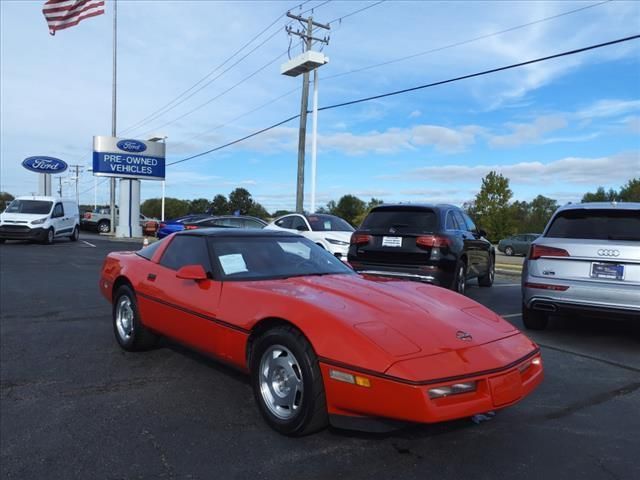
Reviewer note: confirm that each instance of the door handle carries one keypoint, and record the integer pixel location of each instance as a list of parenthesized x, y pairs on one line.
[(151, 277)]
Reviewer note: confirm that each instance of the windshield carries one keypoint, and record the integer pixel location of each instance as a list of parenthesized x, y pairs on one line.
[(401, 220), (259, 258), (600, 224), (324, 223), (35, 207)]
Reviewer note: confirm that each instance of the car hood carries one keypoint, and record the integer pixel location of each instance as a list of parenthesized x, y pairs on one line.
[(404, 319), (21, 217)]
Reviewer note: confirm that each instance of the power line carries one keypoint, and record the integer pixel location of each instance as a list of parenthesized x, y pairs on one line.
[(463, 42), (339, 19), (419, 87)]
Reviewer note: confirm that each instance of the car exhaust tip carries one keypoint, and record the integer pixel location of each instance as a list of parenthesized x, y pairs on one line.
[(544, 306)]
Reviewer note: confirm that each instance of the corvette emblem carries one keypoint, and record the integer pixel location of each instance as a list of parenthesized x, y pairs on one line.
[(464, 336)]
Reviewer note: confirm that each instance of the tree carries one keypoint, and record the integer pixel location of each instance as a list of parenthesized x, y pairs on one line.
[(520, 215), (199, 205), (492, 206), (280, 213), (219, 205), (631, 191), (349, 207), (5, 199), (240, 201), (374, 202), (541, 209), (173, 207), (257, 210), (600, 195)]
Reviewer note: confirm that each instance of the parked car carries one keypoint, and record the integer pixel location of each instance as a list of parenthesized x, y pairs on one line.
[(100, 220), (437, 244), (517, 244), (226, 221), (328, 231), (41, 219), (177, 224), (587, 261), (322, 343)]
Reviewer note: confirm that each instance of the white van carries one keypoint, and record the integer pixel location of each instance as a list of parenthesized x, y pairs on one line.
[(40, 218)]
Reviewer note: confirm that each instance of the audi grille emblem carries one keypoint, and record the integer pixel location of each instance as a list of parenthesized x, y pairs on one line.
[(464, 336), (603, 252)]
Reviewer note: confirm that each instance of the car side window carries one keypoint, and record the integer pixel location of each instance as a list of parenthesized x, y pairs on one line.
[(460, 220), (299, 224), (285, 222), (58, 210), (451, 223), (186, 250), (470, 225), (252, 224)]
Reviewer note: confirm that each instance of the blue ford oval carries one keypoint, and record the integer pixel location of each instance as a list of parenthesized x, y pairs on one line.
[(132, 146), (44, 164)]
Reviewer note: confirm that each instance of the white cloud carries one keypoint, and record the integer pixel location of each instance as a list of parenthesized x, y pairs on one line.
[(415, 114), (528, 132), (608, 108), (633, 124), (570, 170)]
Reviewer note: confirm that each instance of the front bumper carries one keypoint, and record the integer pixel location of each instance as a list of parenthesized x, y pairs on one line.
[(397, 399), (21, 232)]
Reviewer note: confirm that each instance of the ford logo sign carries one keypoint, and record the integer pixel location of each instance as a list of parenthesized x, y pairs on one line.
[(132, 146), (44, 164)]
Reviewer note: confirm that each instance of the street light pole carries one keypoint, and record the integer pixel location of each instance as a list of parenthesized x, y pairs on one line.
[(314, 140)]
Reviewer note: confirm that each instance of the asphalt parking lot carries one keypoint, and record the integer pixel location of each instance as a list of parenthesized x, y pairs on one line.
[(73, 405)]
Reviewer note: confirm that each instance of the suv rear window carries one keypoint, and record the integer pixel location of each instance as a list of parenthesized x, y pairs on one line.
[(600, 224), (402, 220)]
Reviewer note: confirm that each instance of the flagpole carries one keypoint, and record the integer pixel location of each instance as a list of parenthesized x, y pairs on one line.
[(112, 194)]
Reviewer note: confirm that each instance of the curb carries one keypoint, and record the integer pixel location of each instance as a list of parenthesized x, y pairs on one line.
[(509, 269)]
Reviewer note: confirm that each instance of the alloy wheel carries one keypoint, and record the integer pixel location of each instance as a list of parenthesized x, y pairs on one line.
[(281, 383), (124, 318)]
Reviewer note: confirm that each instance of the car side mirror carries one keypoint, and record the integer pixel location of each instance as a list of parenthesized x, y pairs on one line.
[(482, 233), (192, 272)]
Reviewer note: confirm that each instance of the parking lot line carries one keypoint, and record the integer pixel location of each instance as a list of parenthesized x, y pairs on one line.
[(511, 315), (90, 244)]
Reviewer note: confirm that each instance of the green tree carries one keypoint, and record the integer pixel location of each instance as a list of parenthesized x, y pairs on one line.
[(631, 191), (280, 213), (219, 205), (520, 213), (374, 202), (199, 205), (5, 199), (541, 209), (152, 207), (600, 195), (492, 206), (349, 207), (173, 207), (240, 201)]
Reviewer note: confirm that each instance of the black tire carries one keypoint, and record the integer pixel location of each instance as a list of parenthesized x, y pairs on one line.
[(486, 280), (48, 236), (75, 235), (534, 319), (509, 251), (310, 414), (104, 226), (460, 278), (139, 337), (2, 240)]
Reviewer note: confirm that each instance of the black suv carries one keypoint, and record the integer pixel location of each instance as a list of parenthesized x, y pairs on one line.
[(438, 244)]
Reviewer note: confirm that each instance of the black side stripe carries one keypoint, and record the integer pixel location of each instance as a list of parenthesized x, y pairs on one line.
[(191, 312), (456, 378)]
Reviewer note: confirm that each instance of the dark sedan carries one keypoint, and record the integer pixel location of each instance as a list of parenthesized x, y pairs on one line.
[(437, 244), (517, 244)]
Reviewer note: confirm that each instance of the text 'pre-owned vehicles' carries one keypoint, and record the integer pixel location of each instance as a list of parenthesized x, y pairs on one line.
[(438, 244), (328, 231), (40, 218), (587, 261), (322, 343)]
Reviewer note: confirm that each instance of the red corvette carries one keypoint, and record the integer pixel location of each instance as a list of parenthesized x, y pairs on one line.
[(321, 342)]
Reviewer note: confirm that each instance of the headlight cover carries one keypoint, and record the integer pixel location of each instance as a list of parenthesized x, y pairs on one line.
[(333, 241), (40, 221)]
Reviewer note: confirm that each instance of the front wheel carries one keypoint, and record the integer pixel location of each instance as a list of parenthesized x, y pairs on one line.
[(130, 333), (49, 236), (287, 382)]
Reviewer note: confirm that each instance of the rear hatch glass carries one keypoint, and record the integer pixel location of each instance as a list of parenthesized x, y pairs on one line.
[(596, 224), (401, 220)]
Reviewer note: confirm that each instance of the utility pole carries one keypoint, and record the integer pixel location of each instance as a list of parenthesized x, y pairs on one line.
[(112, 180), (307, 35), (76, 177)]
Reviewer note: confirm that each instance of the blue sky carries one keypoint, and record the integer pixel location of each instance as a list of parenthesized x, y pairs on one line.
[(557, 128)]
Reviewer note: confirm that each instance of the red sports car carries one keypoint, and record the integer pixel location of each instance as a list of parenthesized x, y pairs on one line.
[(322, 343)]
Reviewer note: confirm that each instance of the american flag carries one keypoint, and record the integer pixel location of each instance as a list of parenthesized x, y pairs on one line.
[(61, 14)]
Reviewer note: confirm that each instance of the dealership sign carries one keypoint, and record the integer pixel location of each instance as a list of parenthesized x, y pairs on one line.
[(44, 165), (128, 158)]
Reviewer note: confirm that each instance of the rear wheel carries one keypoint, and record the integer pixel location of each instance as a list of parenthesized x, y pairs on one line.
[(509, 251), (75, 235), (486, 280), (104, 226), (287, 382), (534, 319), (460, 279), (130, 333)]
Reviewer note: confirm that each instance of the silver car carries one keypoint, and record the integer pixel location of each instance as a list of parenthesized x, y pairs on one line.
[(587, 261)]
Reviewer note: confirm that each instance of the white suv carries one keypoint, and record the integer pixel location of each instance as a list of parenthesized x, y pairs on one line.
[(587, 261), (40, 218)]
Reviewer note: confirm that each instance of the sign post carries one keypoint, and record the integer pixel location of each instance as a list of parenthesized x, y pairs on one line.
[(130, 160)]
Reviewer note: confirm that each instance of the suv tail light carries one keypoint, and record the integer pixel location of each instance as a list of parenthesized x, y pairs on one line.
[(538, 251), (87, 215), (431, 241), (360, 239)]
